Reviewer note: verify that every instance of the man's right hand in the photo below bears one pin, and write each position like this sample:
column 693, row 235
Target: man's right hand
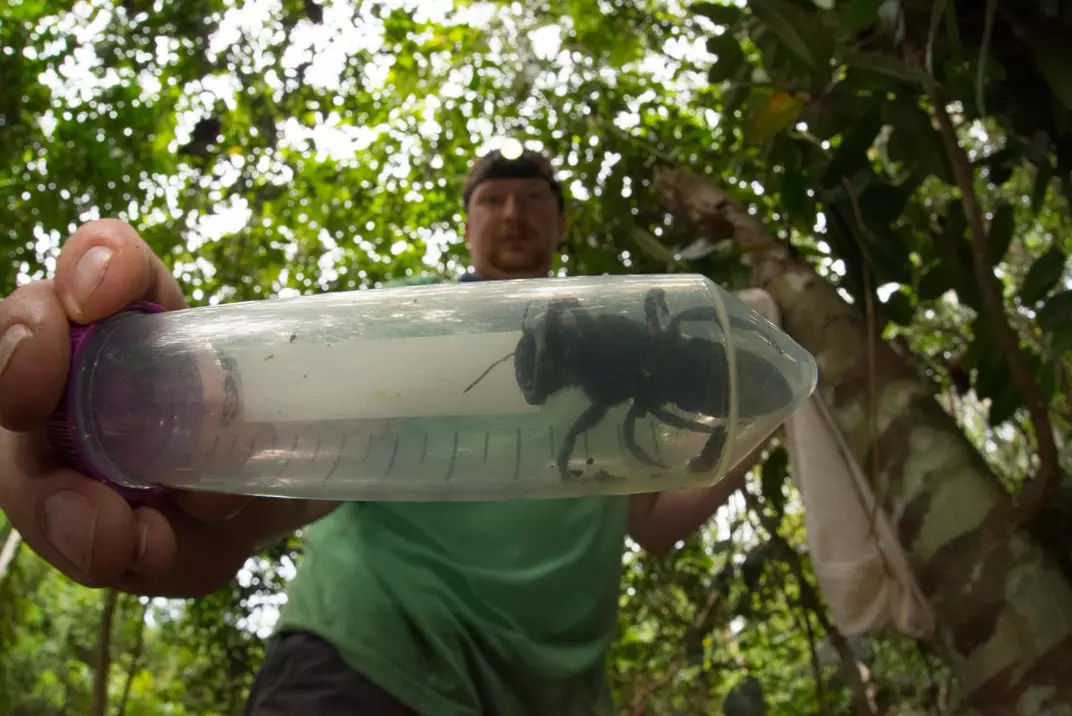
column 188, row 545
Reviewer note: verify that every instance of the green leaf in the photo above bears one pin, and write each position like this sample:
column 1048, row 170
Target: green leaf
column 730, row 57
column 776, row 15
column 934, row 283
column 1045, row 375
column 851, row 154
column 773, row 477
column 899, row 308
column 745, row 699
column 1055, row 316
column 774, row 114
column 860, row 14
column 1043, row 275
column 883, row 203
column 1054, row 56
column 718, row 14
column 915, row 142
column 1042, row 184
column 1001, row 164
column 651, row 247
column 794, row 196
column 991, row 371
column 886, row 65
column 1001, row 228
column 955, row 223
column 1003, row 405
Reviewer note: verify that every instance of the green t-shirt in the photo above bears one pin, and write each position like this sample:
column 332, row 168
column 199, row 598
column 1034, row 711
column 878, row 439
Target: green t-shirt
column 469, row 608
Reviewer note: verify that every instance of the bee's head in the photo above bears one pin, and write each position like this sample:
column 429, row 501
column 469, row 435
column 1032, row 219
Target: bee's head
column 533, row 362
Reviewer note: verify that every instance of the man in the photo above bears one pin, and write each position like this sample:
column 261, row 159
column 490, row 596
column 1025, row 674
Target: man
column 439, row 609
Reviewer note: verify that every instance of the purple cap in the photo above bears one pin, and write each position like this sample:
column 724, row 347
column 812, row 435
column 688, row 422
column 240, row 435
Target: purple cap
column 62, row 426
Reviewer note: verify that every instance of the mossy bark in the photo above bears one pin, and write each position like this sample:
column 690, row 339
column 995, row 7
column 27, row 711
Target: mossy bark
column 1004, row 608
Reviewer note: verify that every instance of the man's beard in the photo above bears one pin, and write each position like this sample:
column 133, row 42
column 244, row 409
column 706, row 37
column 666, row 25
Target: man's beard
column 527, row 257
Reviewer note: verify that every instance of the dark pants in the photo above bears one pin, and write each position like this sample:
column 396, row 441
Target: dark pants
column 303, row 675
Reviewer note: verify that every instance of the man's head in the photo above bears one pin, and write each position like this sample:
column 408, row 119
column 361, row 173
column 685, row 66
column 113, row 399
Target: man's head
column 516, row 215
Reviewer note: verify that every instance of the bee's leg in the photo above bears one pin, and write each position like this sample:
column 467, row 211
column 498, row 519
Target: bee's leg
column 654, row 305
column 712, row 450
column 698, row 313
column 588, row 420
column 629, row 430
column 676, row 421
column 705, row 313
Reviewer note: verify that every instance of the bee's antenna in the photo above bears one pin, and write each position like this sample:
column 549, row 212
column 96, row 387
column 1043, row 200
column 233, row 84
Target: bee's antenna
column 483, row 375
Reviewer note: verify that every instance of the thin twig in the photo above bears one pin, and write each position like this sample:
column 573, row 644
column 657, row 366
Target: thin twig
column 869, row 306
column 1038, row 492
column 816, row 668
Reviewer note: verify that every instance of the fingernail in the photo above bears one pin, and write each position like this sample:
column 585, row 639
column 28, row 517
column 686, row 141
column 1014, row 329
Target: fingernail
column 12, row 337
column 70, row 522
column 88, row 275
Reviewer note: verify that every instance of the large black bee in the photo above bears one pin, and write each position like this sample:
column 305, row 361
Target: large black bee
column 614, row 359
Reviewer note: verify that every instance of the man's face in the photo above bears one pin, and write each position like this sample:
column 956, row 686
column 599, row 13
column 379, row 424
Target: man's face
column 514, row 228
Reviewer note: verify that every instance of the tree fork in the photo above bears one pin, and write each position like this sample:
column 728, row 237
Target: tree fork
column 1004, row 609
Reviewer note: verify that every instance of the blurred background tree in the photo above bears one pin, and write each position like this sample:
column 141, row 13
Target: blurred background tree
column 914, row 155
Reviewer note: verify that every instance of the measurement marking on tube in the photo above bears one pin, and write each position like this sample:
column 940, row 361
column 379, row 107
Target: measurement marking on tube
column 249, row 454
column 424, row 449
column 394, row 454
column 587, row 449
column 368, row 449
column 338, row 458
column 209, row 454
column 450, row 466
column 293, row 448
column 517, row 455
column 231, row 452
column 551, row 440
column 621, row 442
column 485, row 447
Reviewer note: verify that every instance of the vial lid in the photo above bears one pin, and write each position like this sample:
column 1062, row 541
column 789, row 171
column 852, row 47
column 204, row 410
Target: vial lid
column 61, row 428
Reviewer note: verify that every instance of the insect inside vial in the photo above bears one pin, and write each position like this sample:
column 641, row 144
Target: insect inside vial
column 614, row 359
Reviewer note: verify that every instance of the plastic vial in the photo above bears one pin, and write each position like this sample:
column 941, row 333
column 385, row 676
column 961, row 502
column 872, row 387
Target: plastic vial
column 533, row 388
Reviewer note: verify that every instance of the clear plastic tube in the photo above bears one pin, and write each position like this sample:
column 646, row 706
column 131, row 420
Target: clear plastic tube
column 468, row 391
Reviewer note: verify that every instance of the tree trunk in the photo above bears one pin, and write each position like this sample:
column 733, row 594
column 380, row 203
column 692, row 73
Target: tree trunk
column 135, row 657
column 9, row 551
column 1004, row 609
column 104, row 643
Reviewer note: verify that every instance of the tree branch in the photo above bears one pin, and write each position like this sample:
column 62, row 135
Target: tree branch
column 104, row 645
column 135, row 657
column 1039, row 491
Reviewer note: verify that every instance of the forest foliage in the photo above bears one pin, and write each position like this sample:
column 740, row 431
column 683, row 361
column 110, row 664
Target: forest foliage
column 917, row 154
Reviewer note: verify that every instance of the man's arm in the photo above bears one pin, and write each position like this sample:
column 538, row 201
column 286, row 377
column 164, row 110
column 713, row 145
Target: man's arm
column 657, row 521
